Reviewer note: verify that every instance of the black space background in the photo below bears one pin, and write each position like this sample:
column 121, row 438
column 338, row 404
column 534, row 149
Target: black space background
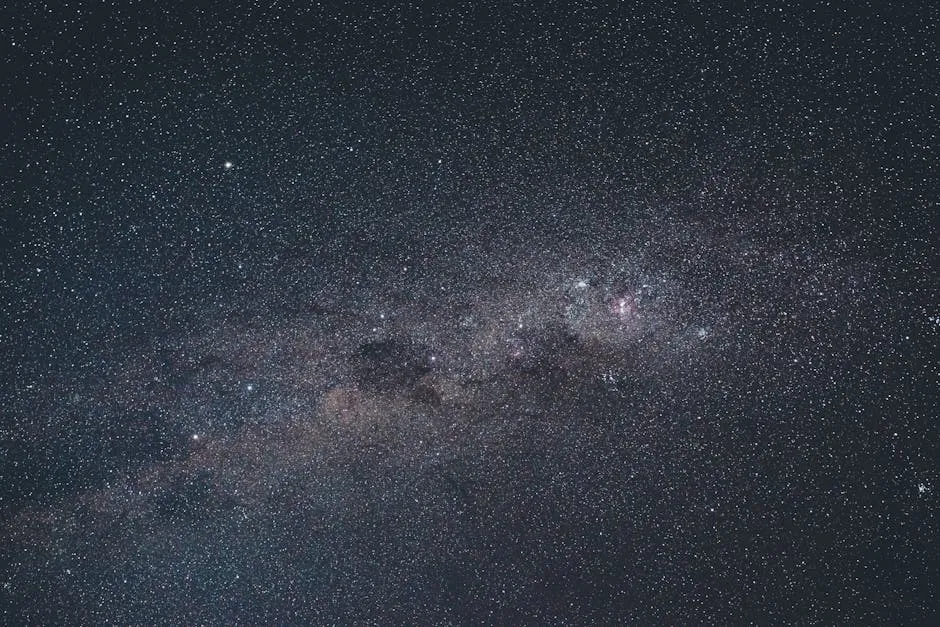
column 428, row 161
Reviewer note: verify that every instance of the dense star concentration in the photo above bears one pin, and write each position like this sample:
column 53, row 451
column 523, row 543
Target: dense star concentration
column 499, row 313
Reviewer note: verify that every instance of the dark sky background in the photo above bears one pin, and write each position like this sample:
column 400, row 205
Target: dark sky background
column 500, row 313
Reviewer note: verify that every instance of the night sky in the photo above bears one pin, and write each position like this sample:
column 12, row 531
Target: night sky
column 485, row 313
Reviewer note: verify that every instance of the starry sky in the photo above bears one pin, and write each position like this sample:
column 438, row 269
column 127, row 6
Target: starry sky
column 468, row 313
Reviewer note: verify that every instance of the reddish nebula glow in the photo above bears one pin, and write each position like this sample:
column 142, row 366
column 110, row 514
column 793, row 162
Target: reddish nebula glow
column 624, row 307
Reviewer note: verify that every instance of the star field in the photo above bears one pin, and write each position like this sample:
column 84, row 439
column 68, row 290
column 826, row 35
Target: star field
column 489, row 314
